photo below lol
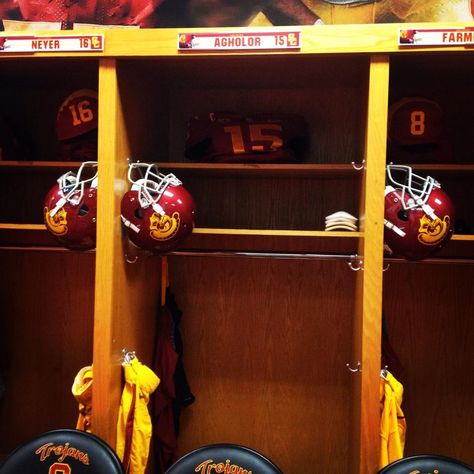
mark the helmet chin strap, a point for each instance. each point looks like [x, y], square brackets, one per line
[396, 229]
[130, 225]
[59, 204]
[429, 211]
[158, 209]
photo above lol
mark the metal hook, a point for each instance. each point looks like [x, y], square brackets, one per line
[357, 368]
[356, 264]
[386, 268]
[128, 260]
[358, 167]
[127, 356]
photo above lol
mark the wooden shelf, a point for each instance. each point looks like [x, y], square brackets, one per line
[238, 240]
[295, 169]
[261, 170]
[38, 165]
[262, 240]
[213, 239]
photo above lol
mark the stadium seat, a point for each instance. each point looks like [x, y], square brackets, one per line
[427, 464]
[64, 451]
[244, 459]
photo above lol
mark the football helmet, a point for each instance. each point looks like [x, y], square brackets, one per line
[158, 212]
[419, 215]
[70, 208]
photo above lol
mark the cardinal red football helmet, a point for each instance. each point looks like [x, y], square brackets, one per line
[70, 208]
[158, 212]
[419, 215]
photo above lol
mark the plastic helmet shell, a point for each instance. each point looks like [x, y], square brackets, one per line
[73, 226]
[154, 231]
[412, 233]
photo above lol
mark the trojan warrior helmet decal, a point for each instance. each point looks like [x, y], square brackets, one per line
[164, 227]
[57, 223]
[433, 232]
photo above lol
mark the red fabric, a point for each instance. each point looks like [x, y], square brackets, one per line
[65, 11]
[166, 359]
[9, 9]
[127, 12]
[259, 138]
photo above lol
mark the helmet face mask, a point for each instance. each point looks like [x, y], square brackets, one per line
[70, 208]
[416, 188]
[157, 212]
[419, 215]
[152, 185]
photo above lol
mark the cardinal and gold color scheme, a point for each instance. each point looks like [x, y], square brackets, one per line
[433, 232]
[225, 467]
[57, 224]
[164, 227]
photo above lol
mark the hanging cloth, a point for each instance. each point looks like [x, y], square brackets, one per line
[134, 422]
[174, 392]
[82, 392]
[165, 442]
[392, 422]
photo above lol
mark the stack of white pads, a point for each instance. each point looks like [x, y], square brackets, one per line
[341, 220]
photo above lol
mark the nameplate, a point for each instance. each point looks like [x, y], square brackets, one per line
[50, 43]
[436, 37]
[247, 41]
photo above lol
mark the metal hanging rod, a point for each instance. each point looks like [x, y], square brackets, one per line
[434, 261]
[42, 248]
[350, 258]
[353, 259]
[276, 255]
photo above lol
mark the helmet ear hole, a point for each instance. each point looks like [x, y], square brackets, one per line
[138, 213]
[403, 215]
[84, 210]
